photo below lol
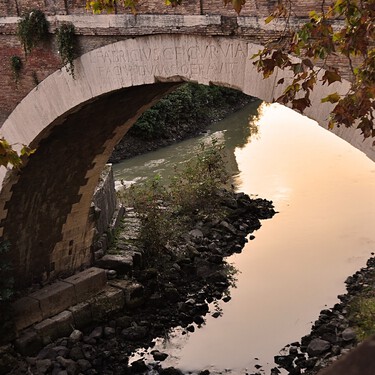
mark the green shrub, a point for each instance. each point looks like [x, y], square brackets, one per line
[362, 314]
[195, 187]
[191, 103]
[166, 211]
[16, 65]
[150, 201]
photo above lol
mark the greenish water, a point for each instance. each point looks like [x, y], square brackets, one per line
[324, 190]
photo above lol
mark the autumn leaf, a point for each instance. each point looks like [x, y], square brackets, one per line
[308, 63]
[237, 5]
[301, 104]
[331, 98]
[331, 76]
[269, 18]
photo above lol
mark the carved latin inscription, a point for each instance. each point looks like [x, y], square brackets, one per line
[203, 60]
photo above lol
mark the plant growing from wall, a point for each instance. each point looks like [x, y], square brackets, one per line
[66, 41]
[35, 78]
[16, 65]
[32, 29]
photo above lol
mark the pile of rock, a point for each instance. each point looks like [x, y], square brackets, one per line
[332, 335]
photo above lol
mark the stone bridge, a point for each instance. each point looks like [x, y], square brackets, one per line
[126, 63]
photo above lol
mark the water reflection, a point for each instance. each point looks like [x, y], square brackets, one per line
[324, 190]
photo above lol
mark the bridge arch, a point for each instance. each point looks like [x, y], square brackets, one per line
[75, 123]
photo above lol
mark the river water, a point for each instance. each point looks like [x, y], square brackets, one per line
[324, 191]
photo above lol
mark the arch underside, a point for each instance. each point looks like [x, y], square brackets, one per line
[48, 216]
[74, 125]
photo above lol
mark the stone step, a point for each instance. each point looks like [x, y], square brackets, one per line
[121, 294]
[57, 297]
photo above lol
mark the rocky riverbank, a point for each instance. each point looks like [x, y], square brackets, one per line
[336, 331]
[179, 286]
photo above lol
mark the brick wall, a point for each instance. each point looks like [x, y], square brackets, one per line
[260, 8]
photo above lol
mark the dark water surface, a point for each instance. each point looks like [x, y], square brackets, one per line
[324, 190]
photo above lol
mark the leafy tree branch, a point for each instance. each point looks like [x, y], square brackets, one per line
[9, 156]
[315, 42]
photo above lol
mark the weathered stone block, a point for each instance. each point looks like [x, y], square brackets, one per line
[29, 343]
[110, 300]
[81, 314]
[8, 359]
[87, 283]
[55, 298]
[47, 330]
[121, 263]
[64, 323]
[133, 292]
[26, 312]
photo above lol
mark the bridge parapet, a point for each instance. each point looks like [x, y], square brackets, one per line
[257, 8]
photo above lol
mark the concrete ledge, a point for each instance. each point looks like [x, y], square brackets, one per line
[113, 298]
[29, 343]
[81, 314]
[46, 331]
[123, 264]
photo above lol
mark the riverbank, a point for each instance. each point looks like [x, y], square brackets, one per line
[180, 287]
[337, 330]
[133, 145]
[320, 357]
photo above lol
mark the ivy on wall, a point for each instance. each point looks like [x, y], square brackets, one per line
[32, 29]
[16, 65]
[66, 42]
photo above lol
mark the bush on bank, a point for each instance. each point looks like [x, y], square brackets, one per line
[188, 105]
[166, 211]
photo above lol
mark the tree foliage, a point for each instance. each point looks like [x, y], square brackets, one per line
[9, 156]
[317, 42]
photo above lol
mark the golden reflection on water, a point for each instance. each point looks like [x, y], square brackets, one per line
[324, 190]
